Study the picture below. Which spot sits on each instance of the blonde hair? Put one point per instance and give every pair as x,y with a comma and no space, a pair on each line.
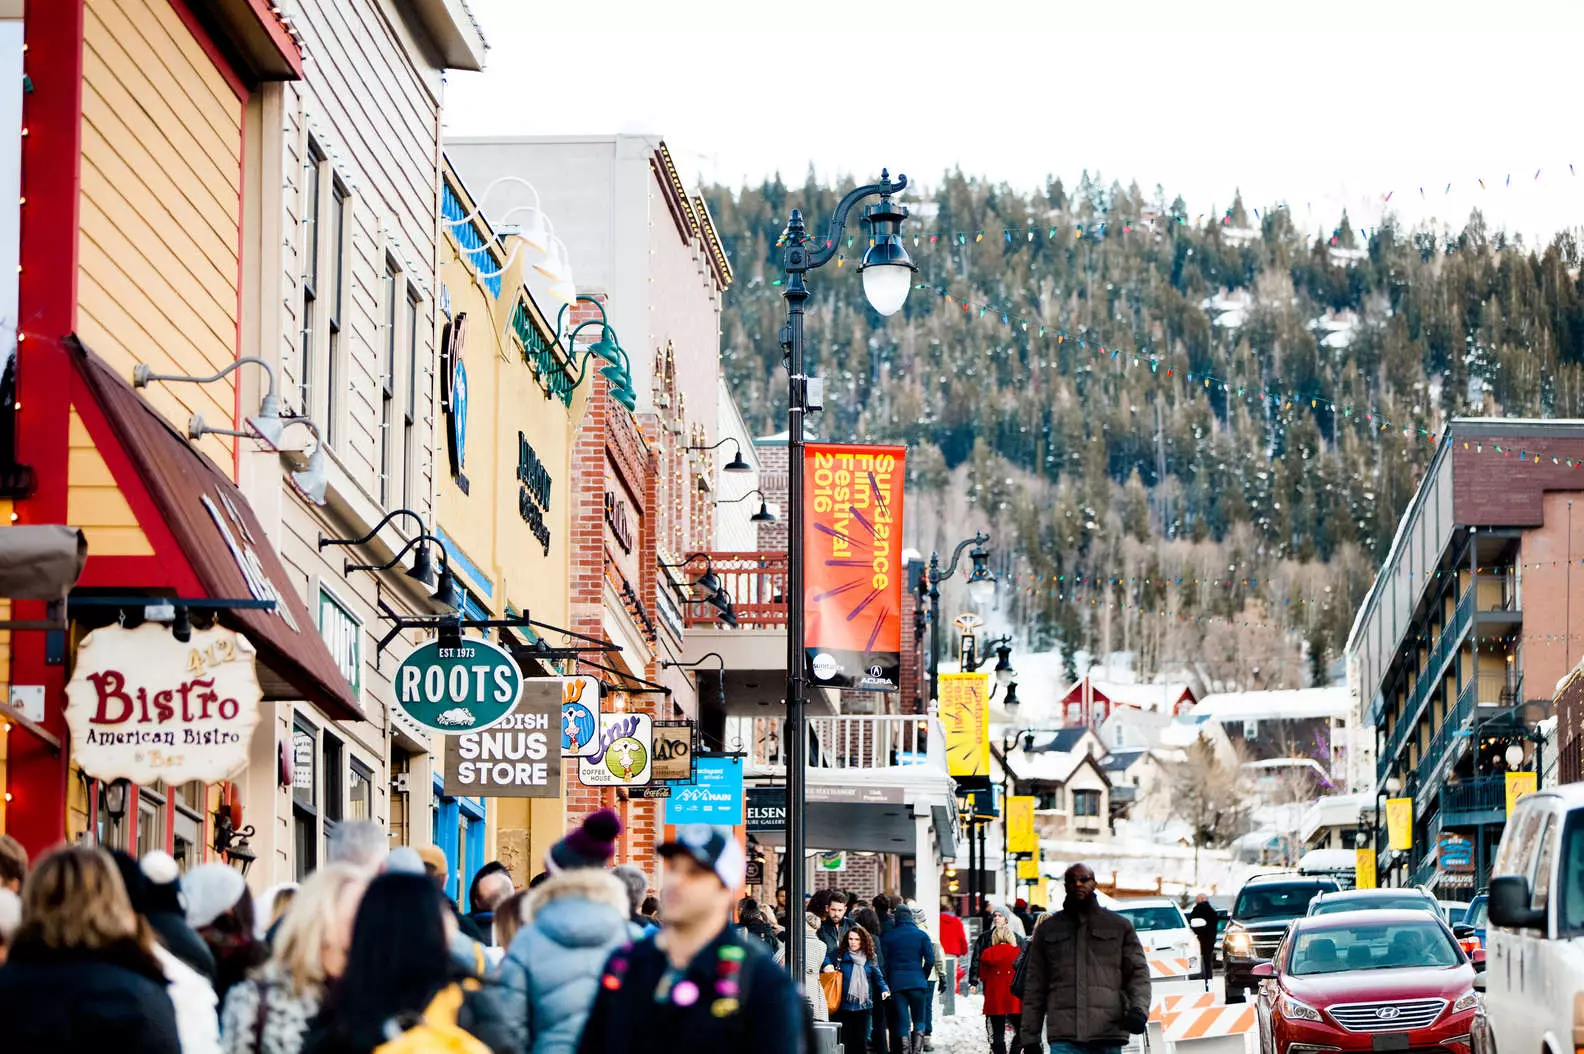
1001,933
299,947
75,898
508,918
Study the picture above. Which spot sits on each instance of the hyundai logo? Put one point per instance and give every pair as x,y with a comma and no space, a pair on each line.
1387,1013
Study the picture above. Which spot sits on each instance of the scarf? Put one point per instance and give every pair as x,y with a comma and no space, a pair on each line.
858,983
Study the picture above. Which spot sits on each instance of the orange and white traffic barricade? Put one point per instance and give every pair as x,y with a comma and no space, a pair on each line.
1206,1027
1170,976
1168,968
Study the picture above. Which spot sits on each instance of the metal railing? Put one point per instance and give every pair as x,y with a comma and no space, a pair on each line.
1445,646
756,583
1484,794
1448,734
852,742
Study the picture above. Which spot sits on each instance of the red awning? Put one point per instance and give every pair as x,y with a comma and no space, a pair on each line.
220,539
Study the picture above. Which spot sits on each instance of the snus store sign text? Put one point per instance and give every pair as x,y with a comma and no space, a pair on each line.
458,686
145,706
518,758
852,565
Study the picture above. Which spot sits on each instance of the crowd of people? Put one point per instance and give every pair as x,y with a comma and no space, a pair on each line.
99,951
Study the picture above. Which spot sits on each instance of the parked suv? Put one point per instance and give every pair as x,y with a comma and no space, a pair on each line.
1535,939
1264,908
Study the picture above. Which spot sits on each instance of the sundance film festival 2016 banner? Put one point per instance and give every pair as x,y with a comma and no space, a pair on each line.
852,565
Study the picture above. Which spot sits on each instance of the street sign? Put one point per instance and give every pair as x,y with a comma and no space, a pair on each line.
714,797
457,686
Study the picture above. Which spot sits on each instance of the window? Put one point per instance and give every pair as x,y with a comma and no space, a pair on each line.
1570,876
1086,803
312,218
332,782
388,384
187,824
1540,897
305,811
335,368
409,432
1049,799
150,821
360,793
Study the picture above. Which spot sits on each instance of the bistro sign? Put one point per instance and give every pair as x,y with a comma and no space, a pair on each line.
144,706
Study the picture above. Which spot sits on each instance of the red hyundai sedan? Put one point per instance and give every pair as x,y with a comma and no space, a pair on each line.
1362,981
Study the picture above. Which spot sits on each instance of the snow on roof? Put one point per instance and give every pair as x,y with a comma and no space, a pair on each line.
1141,696
1283,705
1052,766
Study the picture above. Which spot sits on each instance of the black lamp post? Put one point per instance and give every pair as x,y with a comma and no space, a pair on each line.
887,274
981,590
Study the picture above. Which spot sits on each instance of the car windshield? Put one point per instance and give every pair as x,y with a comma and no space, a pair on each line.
1570,879
1365,947
1332,905
1476,914
1162,917
1278,902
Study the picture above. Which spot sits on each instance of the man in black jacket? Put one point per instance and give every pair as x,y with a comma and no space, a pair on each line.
697,986
1204,920
833,931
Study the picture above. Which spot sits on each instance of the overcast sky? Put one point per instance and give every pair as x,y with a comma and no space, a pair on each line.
1338,102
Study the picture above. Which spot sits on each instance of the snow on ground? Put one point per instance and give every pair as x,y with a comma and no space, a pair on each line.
964,1031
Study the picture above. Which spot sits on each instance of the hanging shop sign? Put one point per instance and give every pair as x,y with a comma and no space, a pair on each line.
1020,825
1399,823
1028,870
533,496
852,565
1364,868
767,808
714,797
454,395
673,751
624,752
836,861
1518,784
1454,853
517,758
457,686
144,706
965,711
579,717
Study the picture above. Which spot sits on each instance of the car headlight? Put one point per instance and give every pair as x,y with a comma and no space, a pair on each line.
1293,1010
1240,944
1467,1001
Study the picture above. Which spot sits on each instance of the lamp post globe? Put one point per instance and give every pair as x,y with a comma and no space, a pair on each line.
1513,755
887,269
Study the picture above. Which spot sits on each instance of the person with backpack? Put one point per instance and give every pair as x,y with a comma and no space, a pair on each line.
909,960
1002,1008
750,917
697,985
401,991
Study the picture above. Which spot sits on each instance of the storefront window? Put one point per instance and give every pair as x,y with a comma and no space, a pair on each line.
187,824
332,769
305,812
360,793
150,821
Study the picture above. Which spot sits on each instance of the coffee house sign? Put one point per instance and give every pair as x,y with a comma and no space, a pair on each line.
144,706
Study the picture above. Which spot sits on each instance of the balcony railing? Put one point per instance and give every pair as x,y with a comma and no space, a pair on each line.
1482,795
853,742
756,583
1449,734
1446,644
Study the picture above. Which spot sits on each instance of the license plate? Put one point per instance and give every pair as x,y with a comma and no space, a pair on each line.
1391,1041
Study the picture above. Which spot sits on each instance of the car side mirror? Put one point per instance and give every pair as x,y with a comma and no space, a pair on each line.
1263,970
1462,930
1508,903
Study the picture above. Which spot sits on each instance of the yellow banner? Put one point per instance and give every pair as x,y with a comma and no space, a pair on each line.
1364,868
1028,870
965,711
1020,825
1399,823
1519,784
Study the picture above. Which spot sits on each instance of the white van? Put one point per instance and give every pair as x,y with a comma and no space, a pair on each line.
1534,969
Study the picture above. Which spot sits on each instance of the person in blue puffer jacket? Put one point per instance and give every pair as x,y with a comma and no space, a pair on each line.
571,924
909,958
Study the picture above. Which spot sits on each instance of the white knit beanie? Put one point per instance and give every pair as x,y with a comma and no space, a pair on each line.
211,891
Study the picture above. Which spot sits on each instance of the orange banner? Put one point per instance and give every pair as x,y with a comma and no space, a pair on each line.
852,565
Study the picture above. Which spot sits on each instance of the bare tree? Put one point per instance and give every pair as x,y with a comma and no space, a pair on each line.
1210,795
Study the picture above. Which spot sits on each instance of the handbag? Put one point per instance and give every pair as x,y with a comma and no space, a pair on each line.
831,981
1018,968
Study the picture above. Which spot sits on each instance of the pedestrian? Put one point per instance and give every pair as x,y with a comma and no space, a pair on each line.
1020,908
750,916
1086,984
1204,921
11,918
997,915
696,985
637,884
437,868
954,938
880,1034
361,843
220,908
571,924
81,977
884,906
270,1011
399,978
508,917
1002,1010
192,994
814,952
650,910
153,884
863,985
909,959
782,913
833,931
271,908
13,864
488,890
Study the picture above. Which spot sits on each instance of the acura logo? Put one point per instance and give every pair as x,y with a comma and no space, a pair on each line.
1387,1013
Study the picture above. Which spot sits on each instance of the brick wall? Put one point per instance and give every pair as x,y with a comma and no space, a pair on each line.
862,876
910,700
773,481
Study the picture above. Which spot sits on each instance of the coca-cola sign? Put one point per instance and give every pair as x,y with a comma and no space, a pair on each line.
145,706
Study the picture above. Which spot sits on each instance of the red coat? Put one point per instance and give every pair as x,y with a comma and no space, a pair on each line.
996,965
953,938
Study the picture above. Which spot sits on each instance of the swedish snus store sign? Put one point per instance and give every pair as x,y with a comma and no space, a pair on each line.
455,686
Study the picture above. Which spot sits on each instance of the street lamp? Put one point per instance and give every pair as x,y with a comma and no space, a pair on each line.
764,515
981,580
929,585
1513,755
887,273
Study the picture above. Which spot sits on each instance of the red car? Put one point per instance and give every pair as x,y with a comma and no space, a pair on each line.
1362,981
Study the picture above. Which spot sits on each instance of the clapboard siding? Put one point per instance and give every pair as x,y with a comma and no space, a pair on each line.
94,503
160,223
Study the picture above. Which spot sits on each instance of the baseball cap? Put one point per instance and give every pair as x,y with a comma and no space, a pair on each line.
434,857
712,848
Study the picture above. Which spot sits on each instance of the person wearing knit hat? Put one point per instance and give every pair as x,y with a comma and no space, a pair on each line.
571,923
220,908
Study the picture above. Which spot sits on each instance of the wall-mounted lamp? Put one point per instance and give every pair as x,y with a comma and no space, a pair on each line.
422,570
617,369
113,798
230,837
539,231
707,588
736,464
310,480
764,515
720,685
266,425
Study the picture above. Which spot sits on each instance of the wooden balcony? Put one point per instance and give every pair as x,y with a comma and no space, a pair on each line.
756,583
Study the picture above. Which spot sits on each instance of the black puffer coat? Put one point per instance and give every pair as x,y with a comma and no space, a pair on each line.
56,1001
1084,972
